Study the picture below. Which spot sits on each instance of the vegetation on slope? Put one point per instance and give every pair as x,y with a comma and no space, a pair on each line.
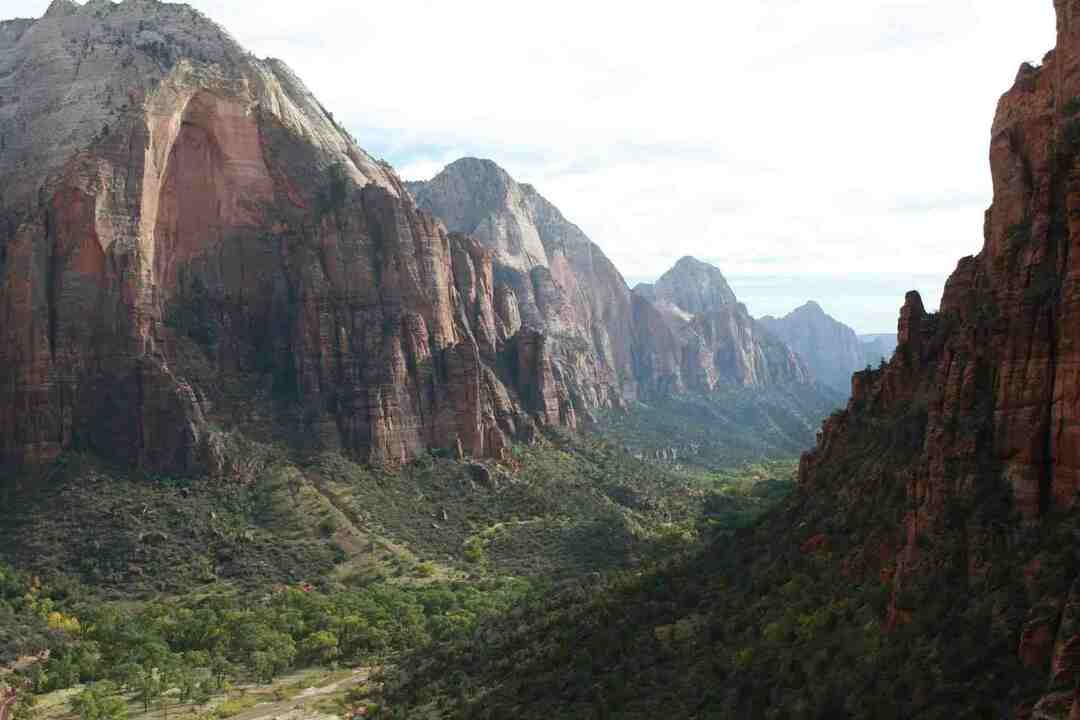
179,586
728,428
791,618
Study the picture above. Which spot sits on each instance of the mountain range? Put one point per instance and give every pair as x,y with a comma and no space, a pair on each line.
205,247
238,352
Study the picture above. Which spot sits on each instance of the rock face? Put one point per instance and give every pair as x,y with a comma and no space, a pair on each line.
983,398
686,333
719,341
187,237
556,279
693,286
830,348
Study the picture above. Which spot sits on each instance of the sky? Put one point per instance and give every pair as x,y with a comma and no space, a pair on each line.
833,150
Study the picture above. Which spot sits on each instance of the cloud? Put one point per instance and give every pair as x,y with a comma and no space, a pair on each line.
837,136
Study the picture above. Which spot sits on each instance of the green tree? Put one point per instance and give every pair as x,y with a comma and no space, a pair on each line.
320,647
147,683
100,701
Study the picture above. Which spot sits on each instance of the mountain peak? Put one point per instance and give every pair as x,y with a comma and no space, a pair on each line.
689,261
695,287
59,8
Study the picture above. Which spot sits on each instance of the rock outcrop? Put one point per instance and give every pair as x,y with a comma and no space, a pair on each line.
188,239
982,400
831,349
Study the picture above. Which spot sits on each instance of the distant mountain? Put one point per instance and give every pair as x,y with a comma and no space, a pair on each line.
693,286
878,347
686,335
830,348
687,332
718,334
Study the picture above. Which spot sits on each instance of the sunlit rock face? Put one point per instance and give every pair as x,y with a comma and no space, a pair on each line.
987,392
187,239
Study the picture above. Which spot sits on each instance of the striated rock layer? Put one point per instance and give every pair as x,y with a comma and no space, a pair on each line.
187,238
983,398
556,280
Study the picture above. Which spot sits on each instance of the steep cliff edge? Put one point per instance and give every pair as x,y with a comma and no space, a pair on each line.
555,278
188,239
983,398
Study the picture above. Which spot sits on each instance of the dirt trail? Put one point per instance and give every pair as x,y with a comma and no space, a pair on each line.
302,706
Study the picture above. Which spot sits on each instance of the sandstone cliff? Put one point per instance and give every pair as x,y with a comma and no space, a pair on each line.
982,400
830,348
188,239
555,278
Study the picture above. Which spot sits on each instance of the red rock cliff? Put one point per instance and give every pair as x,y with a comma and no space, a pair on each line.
187,238
980,408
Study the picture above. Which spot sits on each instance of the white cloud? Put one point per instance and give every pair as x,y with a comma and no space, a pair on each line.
775,137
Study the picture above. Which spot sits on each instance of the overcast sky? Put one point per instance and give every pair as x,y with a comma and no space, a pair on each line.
834,149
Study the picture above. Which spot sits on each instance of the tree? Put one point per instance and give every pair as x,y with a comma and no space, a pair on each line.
320,647
100,701
147,683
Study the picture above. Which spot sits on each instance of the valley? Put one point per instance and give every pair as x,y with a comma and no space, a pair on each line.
285,434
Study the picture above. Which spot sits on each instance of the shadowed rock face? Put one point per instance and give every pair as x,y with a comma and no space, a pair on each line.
687,332
186,236
988,390
831,349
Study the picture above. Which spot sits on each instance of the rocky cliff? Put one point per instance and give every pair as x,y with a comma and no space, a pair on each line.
552,278
686,333
830,348
982,399
188,240
719,340
692,286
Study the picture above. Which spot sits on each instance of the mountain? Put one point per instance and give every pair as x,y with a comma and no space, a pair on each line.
928,564
831,349
642,344
717,333
188,241
691,285
878,347
550,277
